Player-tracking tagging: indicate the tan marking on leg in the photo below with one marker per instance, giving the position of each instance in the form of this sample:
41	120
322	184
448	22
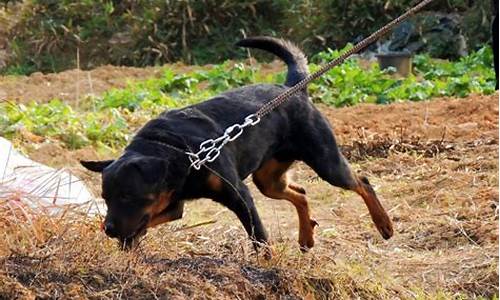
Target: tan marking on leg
214	183
377	211
272	181
306	224
297	188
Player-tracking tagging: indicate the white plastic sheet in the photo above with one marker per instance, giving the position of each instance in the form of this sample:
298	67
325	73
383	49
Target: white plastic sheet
40	187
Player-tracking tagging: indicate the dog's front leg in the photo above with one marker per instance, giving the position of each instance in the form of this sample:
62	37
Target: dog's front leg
238	199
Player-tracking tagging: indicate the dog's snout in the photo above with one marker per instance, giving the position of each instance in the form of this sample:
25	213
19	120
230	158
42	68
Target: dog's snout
110	229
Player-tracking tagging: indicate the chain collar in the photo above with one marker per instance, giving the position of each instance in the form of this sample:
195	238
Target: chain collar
210	149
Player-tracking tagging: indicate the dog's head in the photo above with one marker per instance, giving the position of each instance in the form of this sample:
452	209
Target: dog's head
137	189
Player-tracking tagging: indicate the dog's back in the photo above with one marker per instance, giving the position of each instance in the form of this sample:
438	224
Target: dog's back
210	117
232	106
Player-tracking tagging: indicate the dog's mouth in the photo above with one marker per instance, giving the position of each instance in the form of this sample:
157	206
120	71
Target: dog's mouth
132	240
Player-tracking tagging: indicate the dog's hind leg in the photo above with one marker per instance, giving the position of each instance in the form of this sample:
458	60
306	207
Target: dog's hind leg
321	153
297	188
272	181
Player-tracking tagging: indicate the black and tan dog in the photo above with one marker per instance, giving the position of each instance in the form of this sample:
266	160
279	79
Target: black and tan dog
149	183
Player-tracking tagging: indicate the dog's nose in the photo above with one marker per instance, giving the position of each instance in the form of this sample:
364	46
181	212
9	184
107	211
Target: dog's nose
110	229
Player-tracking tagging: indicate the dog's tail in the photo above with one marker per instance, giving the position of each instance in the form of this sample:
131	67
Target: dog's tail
286	51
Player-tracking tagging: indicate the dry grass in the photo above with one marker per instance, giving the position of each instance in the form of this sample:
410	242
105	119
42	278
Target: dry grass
441	191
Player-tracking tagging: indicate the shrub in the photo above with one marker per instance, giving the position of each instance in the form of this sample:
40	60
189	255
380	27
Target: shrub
49	34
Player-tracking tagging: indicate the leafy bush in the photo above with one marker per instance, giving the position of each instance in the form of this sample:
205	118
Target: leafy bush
49	34
129	32
350	84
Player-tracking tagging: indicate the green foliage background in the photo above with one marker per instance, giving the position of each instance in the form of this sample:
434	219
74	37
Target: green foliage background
49	33
108	121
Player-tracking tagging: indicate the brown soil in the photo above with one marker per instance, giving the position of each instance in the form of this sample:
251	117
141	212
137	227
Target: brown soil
69	85
459	120
75	85
434	165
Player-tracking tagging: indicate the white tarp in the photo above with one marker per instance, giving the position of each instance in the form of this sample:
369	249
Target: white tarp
40	187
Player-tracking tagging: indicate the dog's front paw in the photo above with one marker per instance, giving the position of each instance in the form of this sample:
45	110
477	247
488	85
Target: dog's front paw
306	236
306	245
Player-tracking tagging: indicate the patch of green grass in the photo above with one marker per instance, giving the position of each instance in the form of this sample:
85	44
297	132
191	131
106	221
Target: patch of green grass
60	121
17	70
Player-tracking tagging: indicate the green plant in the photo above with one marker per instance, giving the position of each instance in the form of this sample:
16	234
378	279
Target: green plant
228	75
350	84
110	119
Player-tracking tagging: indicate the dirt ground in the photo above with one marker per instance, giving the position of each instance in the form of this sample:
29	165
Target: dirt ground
71	85
74	85
433	163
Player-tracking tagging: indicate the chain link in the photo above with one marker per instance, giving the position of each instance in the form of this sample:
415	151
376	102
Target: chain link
210	149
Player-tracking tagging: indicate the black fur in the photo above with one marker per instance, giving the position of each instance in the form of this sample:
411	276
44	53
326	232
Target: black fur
294	131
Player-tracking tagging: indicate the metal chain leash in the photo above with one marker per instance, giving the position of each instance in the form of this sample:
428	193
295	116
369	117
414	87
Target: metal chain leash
210	149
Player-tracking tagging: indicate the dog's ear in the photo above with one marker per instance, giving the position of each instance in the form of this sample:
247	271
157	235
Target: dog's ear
152	169
96	165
